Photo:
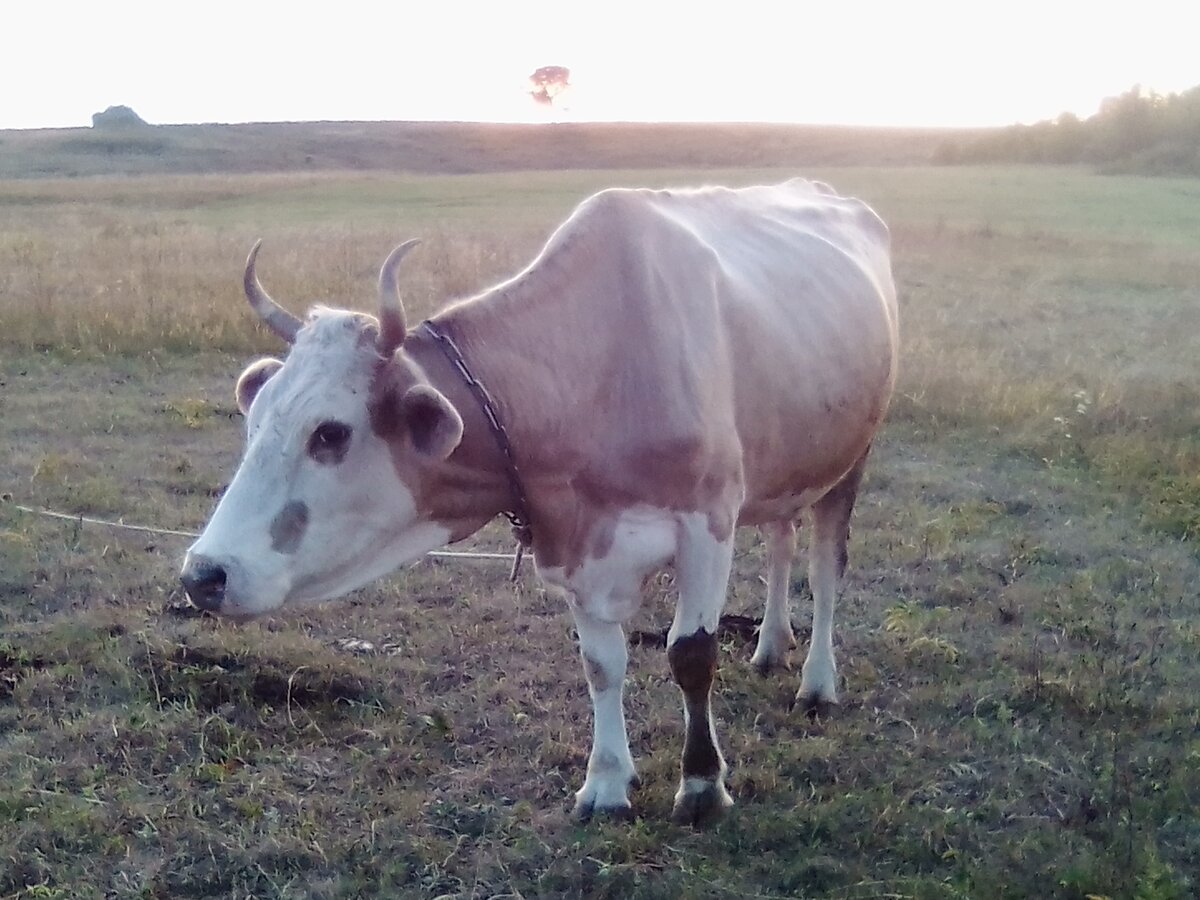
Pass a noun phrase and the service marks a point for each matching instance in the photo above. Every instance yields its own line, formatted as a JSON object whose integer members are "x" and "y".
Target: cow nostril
{"x": 204, "y": 582}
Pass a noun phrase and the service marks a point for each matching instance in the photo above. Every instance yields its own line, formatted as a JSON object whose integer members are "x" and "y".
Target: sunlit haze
{"x": 882, "y": 63}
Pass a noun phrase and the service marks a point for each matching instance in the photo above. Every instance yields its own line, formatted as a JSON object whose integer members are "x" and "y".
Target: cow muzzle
{"x": 205, "y": 581}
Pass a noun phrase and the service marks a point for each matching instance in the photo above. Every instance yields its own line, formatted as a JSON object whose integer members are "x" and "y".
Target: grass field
{"x": 457, "y": 147}
{"x": 1019, "y": 637}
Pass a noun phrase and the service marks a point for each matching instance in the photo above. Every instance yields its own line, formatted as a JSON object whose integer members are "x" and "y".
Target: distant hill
{"x": 453, "y": 147}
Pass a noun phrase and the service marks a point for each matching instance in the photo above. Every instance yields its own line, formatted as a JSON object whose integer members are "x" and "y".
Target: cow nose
{"x": 204, "y": 582}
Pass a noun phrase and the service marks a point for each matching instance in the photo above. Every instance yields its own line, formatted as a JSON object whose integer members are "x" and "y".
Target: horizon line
{"x": 688, "y": 123}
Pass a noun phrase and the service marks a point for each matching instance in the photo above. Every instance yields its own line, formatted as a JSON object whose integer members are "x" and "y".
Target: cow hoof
{"x": 818, "y": 685}
{"x": 605, "y": 798}
{"x": 815, "y": 705}
{"x": 771, "y": 654}
{"x": 767, "y": 663}
{"x": 587, "y": 810}
{"x": 700, "y": 802}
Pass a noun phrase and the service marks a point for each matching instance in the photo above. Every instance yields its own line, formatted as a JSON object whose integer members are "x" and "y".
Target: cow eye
{"x": 329, "y": 442}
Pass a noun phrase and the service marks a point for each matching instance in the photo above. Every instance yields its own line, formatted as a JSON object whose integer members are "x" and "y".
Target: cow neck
{"x": 434, "y": 347}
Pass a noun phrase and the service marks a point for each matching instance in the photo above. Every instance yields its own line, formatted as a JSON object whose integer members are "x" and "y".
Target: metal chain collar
{"x": 518, "y": 518}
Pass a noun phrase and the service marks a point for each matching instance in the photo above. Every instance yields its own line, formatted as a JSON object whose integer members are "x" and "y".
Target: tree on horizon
{"x": 548, "y": 82}
{"x": 1136, "y": 131}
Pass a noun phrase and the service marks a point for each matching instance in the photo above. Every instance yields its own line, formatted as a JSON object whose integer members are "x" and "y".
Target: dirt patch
{"x": 15, "y": 665}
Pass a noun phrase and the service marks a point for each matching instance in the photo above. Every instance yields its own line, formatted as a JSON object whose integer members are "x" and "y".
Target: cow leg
{"x": 826, "y": 567}
{"x": 610, "y": 770}
{"x": 775, "y": 637}
{"x": 702, "y": 568}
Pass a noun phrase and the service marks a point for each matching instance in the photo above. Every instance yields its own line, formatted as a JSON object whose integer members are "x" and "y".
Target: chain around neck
{"x": 519, "y": 517}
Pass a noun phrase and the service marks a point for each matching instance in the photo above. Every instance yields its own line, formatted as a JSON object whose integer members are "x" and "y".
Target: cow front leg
{"x": 826, "y": 568}
{"x": 775, "y": 637}
{"x": 702, "y": 569}
{"x": 610, "y": 770}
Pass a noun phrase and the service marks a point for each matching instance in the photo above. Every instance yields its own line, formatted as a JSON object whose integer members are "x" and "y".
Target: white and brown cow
{"x": 672, "y": 365}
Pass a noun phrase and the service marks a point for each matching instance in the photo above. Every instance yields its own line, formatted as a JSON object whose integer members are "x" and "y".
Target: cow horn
{"x": 278, "y": 319}
{"x": 392, "y": 326}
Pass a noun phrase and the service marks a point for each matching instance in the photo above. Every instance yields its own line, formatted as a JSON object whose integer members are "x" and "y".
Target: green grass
{"x": 1051, "y": 203}
{"x": 1018, "y": 642}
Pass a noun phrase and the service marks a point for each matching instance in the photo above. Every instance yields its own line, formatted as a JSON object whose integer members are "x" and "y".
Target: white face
{"x": 317, "y": 507}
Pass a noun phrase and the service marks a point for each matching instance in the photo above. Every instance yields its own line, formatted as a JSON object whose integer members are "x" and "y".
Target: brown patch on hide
{"x": 596, "y": 675}
{"x": 605, "y": 761}
{"x": 464, "y": 491}
{"x": 693, "y": 662}
{"x": 720, "y": 524}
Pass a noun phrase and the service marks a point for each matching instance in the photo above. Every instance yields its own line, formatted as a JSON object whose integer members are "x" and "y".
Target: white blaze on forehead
{"x": 328, "y": 372}
{"x": 361, "y": 516}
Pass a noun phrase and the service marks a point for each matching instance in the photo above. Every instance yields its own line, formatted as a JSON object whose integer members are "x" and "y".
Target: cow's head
{"x": 338, "y": 437}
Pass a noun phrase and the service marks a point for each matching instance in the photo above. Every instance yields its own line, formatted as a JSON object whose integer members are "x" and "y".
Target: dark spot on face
{"x": 329, "y": 442}
{"x": 287, "y": 528}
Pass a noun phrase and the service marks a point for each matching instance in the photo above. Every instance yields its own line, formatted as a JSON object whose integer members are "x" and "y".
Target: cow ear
{"x": 433, "y": 424}
{"x": 251, "y": 381}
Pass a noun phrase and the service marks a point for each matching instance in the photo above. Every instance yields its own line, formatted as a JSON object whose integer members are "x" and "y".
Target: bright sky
{"x": 891, "y": 62}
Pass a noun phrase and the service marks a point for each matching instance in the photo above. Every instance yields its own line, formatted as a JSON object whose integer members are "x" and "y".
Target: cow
{"x": 673, "y": 364}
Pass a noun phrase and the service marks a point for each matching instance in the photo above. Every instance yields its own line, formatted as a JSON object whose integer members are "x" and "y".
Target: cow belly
{"x": 805, "y": 430}
{"x": 793, "y": 464}
{"x": 782, "y": 508}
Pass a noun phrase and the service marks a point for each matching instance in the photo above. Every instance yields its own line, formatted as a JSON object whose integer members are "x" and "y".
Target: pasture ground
{"x": 458, "y": 147}
{"x": 1019, "y": 639}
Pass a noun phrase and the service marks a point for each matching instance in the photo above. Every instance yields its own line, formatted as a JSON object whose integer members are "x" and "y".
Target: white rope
{"x": 146, "y": 529}
{"x": 51, "y": 514}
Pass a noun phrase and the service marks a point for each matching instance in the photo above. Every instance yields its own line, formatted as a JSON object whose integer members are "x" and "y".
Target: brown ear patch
{"x": 434, "y": 426}
{"x": 384, "y": 410}
{"x": 251, "y": 381}
{"x": 414, "y": 415}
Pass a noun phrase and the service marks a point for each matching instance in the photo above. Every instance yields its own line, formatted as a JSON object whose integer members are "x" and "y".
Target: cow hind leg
{"x": 610, "y": 771}
{"x": 826, "y": 568}
{"x": 775, "y": 637}
{"x": 702, "y": 569}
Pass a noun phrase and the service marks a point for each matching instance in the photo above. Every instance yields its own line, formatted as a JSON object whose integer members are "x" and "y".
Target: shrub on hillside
{"x": 118, "y": 117}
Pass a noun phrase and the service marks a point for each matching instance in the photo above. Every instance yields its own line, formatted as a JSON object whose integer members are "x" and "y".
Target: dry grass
{"x": 1019, "y": 639}
{"x": 121, "y": 268}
